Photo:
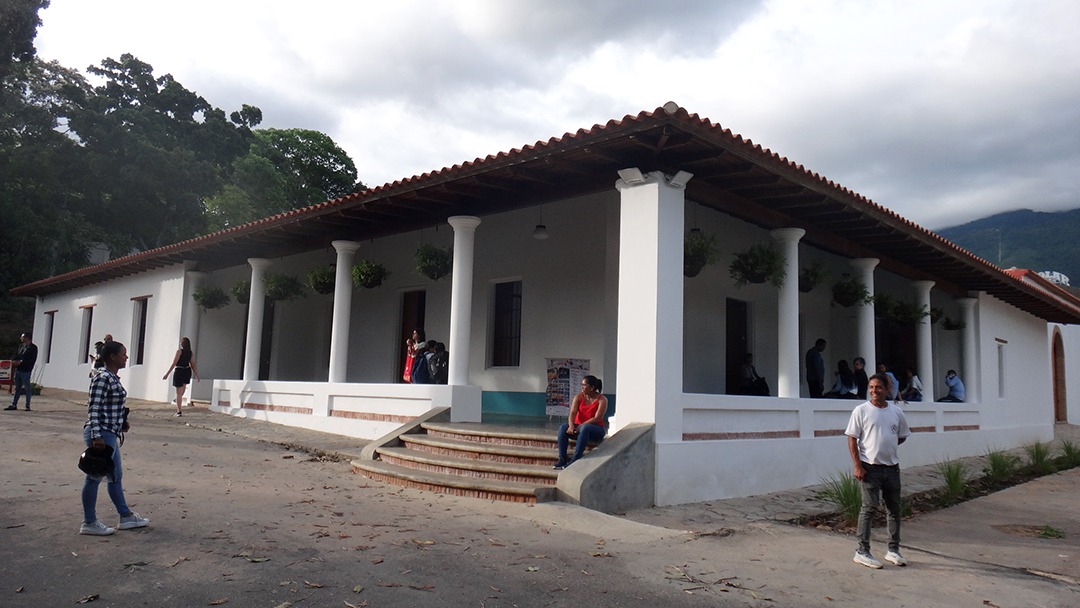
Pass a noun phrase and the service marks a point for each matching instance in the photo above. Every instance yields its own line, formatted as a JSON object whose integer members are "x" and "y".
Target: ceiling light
{"x": 680, "y": 180}
{"x": 632, "y": 176}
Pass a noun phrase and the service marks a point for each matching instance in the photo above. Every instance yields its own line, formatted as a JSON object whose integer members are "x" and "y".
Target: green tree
{"x": 156, "y": 151}
{"x": 19, "y": 21}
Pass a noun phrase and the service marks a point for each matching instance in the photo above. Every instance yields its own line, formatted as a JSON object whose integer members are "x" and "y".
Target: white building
{"x": 607, "y": 287}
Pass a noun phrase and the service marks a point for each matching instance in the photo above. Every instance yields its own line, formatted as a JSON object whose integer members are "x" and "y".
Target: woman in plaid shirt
{"x": 104, "y": 423}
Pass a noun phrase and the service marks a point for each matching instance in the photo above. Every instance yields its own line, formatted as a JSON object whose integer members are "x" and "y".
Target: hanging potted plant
{"x": 936, "y": 314}
{"x": 369, "y": 274}
{"x": 699, "y": 251}
{"x": 321, "y": 280}
{"x": 897, "y": 310}
{"x": 811, "y": 276}
{"x": 950, "y": 324}
{"x": 849, "y": 292}
{"x": 242, "y": 291}
{"x": 758, "y": 264}
{"x": 282, "y": 287}
{"x": 210, "y": 298}
{"x": 434, "y": 262}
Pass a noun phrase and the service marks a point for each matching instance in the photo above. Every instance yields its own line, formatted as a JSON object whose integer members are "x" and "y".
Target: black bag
{"x": 97, "y": 462}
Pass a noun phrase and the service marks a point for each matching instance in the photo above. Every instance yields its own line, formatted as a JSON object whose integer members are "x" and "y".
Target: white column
{"x": 461, "y": 292}
{"x": 787, "y": 314}
{"x": 924, "y": 344}
{"x": 343, "y": 289}
{"x": 189, "y": 310}
{"x": 255, "y": 318}
{"x": 867, "y": 330}
{"x": 970, "y": 371}
{"x": 650, "y": 340}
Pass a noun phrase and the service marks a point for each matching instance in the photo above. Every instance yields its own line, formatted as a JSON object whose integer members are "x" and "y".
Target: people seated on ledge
{"x": 752, "y": 383}
{"x": 912, "y": 389}
{"x": 586, "y": 422}
{"x": 956, "y": 388}
{"x": 892, "y": 392}
{"x": 844, "y": 387}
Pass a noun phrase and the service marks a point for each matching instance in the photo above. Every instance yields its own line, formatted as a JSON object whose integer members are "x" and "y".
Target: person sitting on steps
{"x": 586, "y": 421}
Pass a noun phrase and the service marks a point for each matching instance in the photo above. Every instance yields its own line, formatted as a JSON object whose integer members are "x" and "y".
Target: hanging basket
{"x": 849, "y": 292}
{"x": 699, "y": 251}
{"x": 282, "y": 287}
{"x": 434, "y": 262}
{"x": 759, "y": 264}
{"x": 210, "y": 298}
{"x": 369, "y": 274}
{"x": 321, "y": 280}
{"x": 242, "y": 291}
{"x": 811, "y": 276}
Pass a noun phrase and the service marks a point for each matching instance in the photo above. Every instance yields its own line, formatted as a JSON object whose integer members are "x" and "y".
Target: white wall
{"x": 113, "y": 313}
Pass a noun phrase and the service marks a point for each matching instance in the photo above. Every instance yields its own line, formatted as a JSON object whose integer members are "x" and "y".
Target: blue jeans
{"x": 22, "y": 384}
{"x": 880, "y": 482}
{"x": 90, "y": 486}
{"x": 586, "y": 433}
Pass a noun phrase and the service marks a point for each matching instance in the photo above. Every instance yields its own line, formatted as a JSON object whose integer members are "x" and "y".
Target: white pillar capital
{"x": 345, "y": 246}
{"x": 865, "y": 264}
{"x": 258, "y": 263}
{"x": 788, "y": 235}
{"x": 922, "y": 287}
{"x": 463, "y": 222}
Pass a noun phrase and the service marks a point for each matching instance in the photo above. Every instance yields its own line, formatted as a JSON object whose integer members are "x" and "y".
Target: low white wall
{"x": 364, "y": 411}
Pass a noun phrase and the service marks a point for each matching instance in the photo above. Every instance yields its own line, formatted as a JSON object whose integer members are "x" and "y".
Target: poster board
{"x": 563, "y": 382}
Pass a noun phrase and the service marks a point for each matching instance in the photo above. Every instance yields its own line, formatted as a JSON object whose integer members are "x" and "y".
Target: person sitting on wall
{"x": 893, "y": 390}
{"x": 586, "y": 421}
{"x": 752, "y": 383}
{"x": 956, "y": 388}
{"x": 913, "y": 388}
{"x": 844, "y": 387}
{"x": 421, "y": 371}
{"x": 439, "y": 364}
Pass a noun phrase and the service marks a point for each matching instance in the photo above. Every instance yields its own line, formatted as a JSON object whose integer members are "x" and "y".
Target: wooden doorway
{"x": 1058, "y": 360}
{"x": 413, "y": 307}
{"x": 738, "y": 343}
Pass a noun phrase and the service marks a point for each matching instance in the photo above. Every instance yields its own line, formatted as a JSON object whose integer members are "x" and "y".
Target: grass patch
{"x": 1000, "y": 467}
{"x": 1039, "y": 459}
{"x": 955, "y": 474}
{"x": 1049, "y": 531}
{"x": 845, "y": 492}
{"x": 1070, "y": 453}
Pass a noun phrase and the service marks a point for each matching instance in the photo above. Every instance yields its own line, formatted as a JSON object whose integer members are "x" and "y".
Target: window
{"x": 1001, "y": 367}
{"x": 138, "y": 328}
{"x": 506, "y": 328}
{"x": 50, "y": 318}
{"x": 85, "y": 331}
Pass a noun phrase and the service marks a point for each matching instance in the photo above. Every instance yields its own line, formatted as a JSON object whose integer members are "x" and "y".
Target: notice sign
{"x": 563, "y": 382}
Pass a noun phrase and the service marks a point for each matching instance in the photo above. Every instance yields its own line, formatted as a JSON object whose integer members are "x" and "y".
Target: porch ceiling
{"x": 731, "y": 175}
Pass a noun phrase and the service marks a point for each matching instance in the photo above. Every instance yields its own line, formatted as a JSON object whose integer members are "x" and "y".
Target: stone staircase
{"x": 493, "y": 461}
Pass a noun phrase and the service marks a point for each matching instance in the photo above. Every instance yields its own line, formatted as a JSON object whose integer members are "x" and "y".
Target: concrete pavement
{"x": 733, "y": 552}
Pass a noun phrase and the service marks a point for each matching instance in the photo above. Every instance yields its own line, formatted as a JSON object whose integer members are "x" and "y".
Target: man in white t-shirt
{"x": 874, "y": 432}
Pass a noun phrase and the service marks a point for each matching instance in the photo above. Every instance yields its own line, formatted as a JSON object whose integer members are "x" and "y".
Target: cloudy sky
{"x": 941, "y": 111}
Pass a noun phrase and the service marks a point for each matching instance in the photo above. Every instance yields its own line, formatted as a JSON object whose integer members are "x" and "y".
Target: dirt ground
{"x": 241, "y": 522}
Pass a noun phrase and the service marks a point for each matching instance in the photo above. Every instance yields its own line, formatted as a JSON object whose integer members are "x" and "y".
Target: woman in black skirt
{"x": 184, "y": 365}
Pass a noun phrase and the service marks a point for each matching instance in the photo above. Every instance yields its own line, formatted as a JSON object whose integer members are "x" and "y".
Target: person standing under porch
{"x": 184, "y": 365}
{"x": 875, "y": 431}
{"x": 586, "y": 421}
{"x": 24, "y": 362}
{"x": 815, "y": 369}
{"x": 861, "y": 380}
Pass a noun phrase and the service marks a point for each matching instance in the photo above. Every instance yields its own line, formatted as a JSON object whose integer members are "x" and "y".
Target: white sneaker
{"x": 95, "y": 529}
{"x": 129, "y": 522}
{"x": 894, "y": 558}
{"x": 867, "y": 560}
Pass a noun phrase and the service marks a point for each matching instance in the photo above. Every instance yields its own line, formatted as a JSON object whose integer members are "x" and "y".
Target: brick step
{"x": 489, "y": 489}
{"x": 493, "y": 452}
{"x": 540, "y": 437}
{"x": 469, "y": 467}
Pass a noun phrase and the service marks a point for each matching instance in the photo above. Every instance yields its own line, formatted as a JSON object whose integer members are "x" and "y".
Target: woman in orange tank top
{"x": 586, "y": 422}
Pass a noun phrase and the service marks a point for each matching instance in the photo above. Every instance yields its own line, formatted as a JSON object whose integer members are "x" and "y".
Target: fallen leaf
{"x": 358, "y": 589}
{"x": 362, "y": 604}
{"x": 218, "y": 602}
{"x": 313, "y": 585}
{"x": 532, "y": 569}
{"x": 423, "y": 542}
{"x": 389, "y": 585}
{"x": 377, "y": 561}
{"x": 178, "y": 560}
{"x": 423, "y": 588}
{"x": 600, "y": 554}
{"x": 87, "y": 599}
{"x": 284, "y": 605}
{"x": 287, "y": 457}
{"x": 991, "y": 604}
{"x": 14, "y": 526}
{"x": 74, "y": 554}
{"x": 19, "y": 590}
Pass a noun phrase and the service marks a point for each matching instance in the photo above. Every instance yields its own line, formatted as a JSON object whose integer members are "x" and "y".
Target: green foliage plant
{"x": 242, "y": 291}
{"x": 1039, "y": 459}
{"x": 434, "y": 262}
{"x": 369, "y": 274}
{"x": 950, "y": 324}
{"x": 955, "y": 475}
{"x": 1049, "y": 531}
{"x": 321, "y": 279}
{"x": 758, "y": 264}
{"x": 849, "y": 292}
{"x": 811, "y": 276}
{"x": 1070, "y": 453}
{"x": 1000, "y": 466}
{"x": 283, "y": 287}
{"x": 210, "y": 298}
{"x": 897, "y": 310}
{"x": 936, "y": 314}
{"x": 699, "y": 251}
{"x": 35, "y": 388}
{"x": 843, "y": 491}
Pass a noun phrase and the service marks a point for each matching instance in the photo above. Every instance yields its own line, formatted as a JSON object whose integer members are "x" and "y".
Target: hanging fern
{"x": 210, "y": 298}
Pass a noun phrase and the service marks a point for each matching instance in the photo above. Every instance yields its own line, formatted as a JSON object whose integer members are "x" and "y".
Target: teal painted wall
{"x": 522, "y": 404}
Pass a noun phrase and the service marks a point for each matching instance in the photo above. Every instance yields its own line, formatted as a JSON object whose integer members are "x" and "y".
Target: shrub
{"x": 1070, "y": 453}
{"x": 955, "y": 475}
{"x": 1039, "y": 458}
{"x": 1000, "y": 466}
{"x": 845, "y": 492}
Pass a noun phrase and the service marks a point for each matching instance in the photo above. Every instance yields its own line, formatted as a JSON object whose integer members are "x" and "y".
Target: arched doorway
{"x": 1058, "y": 357}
